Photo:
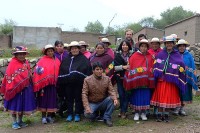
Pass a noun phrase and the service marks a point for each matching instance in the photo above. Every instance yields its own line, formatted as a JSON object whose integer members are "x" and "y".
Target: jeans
{"x": 123, "y": 95}
{"x": 106, "y": 105}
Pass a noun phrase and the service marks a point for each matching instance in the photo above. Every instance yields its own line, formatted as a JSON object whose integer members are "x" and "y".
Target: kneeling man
{"x": 98, "y": 94}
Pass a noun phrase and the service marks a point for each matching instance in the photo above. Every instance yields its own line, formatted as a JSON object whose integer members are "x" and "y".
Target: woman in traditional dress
{"x": 104, "y": 58}
{"x": 139, "y": 80}
{"x": 121, "y": 65}
{"x": 83, "y": 50}
{"x": 17, "y": 88}
{"x": 191, "y": 78}
{"x": 170, "y": 79}
{"x": 44, "y": 81}
{"x": 60, "y": 52}
{"x": 73, "y": 69}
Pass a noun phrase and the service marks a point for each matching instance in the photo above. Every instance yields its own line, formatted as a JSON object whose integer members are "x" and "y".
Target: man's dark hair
{"x": 96, "y": 64}
{"x": 142, "y": 35}
{"x": 58, "y": 42}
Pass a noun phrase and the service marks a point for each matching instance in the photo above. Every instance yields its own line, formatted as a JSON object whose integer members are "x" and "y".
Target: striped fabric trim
{"x": 138, "y": 77}
{"x": 165, "y": 105}
{"x": 134, "y": 107}
{"x": 66, "y": 75}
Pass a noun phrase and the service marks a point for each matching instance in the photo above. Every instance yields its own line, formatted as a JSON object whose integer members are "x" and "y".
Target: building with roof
{"x": 188, "y": 29}
{"x": 149, "y": 32}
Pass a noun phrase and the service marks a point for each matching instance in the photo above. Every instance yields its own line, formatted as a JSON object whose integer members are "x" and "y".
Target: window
{"x": 185, "y": 33}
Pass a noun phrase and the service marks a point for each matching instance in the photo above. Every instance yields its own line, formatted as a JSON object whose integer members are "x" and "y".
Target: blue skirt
{"x": 47, "y": 99}
{"x": 23, "y": 102}
{"x": 140, "y": 98}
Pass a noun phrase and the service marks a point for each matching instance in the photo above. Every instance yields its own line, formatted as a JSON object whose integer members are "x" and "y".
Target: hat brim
{"x": 187, "y": 45}
{"x": 20, "y": 52}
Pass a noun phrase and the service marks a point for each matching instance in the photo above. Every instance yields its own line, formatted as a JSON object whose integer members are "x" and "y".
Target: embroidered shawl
{"x": 140, "y": 73}
{"x": 170, "y": 67}
{"x": 16, "y": 78}
{"x": 190, "y": 69}
{"x": 45, "y": 72}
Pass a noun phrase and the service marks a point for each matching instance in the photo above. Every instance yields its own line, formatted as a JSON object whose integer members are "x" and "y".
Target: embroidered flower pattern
{"x": 12, "y": 77}
{"x": 111, "y": 66}
{"x": 137, "y": 70}
{"x": 170, "y": 65}
{"x": 181, "y": 69}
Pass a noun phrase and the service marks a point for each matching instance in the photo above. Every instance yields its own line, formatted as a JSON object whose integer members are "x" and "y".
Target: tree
{"x": 95, "y": 27}
{"x": 110, "y": 30}
{"x": 75, "y": 30}
{"x": 7, "y": 27}
{"x": 147, "y": 22}
{"x": 134, "y": 26}
{"x": 171, "y": 16}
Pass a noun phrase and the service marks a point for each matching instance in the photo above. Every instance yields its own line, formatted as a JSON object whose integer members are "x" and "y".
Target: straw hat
{"x": 145, "y": 41}
{"x": 66, "y": 45}
{"x": 169, "y": 39}
{"x": 105, "y": 40}
{"x": 20, "y": 49}
{"x": 48, "y": 46}
{"x": 182, "y": 41}
{"x": 82, "y": 43}
{"x": 74, "y": 43}
{"x": 155, "y": 39}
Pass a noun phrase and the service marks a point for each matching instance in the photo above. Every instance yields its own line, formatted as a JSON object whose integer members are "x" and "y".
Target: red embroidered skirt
{"x": 166, "y": 95}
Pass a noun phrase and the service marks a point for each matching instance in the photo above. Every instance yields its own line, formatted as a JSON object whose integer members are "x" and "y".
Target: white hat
{"x": 105, "y": 40}
{"x": 48, "y": 46}
{"x": 169, "y": 39}
{"x": 74, "y": 43}
{"x": 145, "y": 41}
{"x": 182, "y": 41}
{"x": 155, "y": 39}
{"x": 66, "y": 44}
{"x": 83, "y": 43}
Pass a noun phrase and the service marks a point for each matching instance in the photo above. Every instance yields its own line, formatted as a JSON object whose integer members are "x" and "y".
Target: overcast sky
{"x": 76, "y": 13}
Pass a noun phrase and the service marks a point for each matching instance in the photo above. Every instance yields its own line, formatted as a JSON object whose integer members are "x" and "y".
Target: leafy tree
{"x": 134, "y": 26}
{"x": 171, "y": 16}
{"x": 7, "y": 26}
{"x": 95, "y": 27}
{"x": 147, "y": 22}
{"x": 110, "y": 30}
{"x": 75, "y": 30}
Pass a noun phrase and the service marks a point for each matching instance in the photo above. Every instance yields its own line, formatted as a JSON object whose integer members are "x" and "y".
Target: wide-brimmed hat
{"x": 182, "y": 41}
{"x": 83, "y": 43}
{"x": 175, "y": 36}
{"x": 48, "y": 46}
{"x": 66, "y": 45}
{"x": 20, "y": 49}
{"x": 145, "y": 41}
{"x": 105, "y": 40}
{"x": 74, "y": 43}
{"x": 169, "y": 39}
{"x": 155, "y": 39}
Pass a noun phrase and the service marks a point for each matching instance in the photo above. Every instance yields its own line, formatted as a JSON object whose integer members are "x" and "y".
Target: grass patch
{"x": 83, "y": 126}
{"x": 196, "y": 98}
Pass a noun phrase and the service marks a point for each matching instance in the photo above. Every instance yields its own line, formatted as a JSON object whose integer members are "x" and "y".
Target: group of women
{"x": 149, "y": 76}
{"x": 163, "y": 78}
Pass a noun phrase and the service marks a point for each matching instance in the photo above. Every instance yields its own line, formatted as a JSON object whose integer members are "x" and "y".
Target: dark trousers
{"x": 73, "y": 92}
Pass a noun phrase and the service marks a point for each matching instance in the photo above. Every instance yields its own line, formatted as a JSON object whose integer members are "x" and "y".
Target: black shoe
{"x": 159, "y": 118}
{"x": 99, "y": 118}
{"x": 108, "y": 123}
{"x": 166, "y": 118}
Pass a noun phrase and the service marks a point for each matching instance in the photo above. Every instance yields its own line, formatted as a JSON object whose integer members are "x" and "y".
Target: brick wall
{"x": 184, "y": 29}
{"x": 90, "y": 38}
